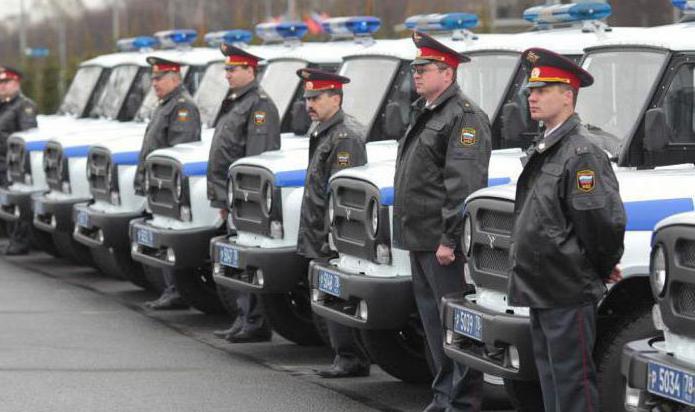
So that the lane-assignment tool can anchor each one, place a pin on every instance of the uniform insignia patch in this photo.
(183, 115)
(29, 110)
(532, 57)
(535, 72)
(343, 159)
(586, 180)
(309, 85)
(259, 118)
(469, 136)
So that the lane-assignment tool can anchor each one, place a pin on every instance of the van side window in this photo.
(679, 104)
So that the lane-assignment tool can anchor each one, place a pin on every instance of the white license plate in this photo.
(38, 207)
(144, 237)
(671, 383)
(83, 219)
(229, 256)
(468, 323)
(329, 283)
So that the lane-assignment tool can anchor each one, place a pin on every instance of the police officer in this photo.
(568, 235)
(248, 125)
(175, 120)
(442, 158)
(17, 113)
(336, 142)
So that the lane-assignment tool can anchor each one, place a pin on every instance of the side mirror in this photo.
(657, 132)
(394, 125)
(300, 118)
(515, 126)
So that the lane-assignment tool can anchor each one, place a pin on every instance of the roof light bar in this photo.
(441, 22)
(176, 38)
(136, 43)
(281, 32)
(217, 38)
(687, 6)
(567, 13)
(353, 26)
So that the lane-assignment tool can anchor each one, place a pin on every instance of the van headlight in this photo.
(186, 213)
(467, 234)
(268, 195)
(66, 187)
(331, 209)
(147, 182)
(27, 179)
(374, 214)
(230, 194)
(179, 186)
(658, 274)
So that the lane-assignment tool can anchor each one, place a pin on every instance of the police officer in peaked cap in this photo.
(17, 113)
(175, 120)
(568, 235)
(249, 124)
(336, 142)
(442, 159)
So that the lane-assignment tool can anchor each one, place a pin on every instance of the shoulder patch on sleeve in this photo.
(343, 159)
(259, 118)
(586, 180)
(29, 109)
(183, 115)
(182, 100)
(469, 136)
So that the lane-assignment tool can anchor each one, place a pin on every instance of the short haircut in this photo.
(335, 92)
(567, 87)
(444, 66)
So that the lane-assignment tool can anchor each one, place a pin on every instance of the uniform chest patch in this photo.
(29, 110)
(343, 159)
(469, 136)
(183, 115)
(259, 118)
(586, 180)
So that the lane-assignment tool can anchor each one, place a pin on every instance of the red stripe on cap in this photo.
(239, 60)
(322, 85)
(164, 67)
(552, 74)
(9, 75)
(434, 54)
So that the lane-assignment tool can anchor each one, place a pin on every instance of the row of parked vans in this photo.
(73, 177)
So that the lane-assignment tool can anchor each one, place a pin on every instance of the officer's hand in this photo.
(616, 275)
(445, 255)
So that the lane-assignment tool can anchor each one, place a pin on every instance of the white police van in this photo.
(64, 155)
(369, 285)
(641, 103)
(182, 224)
(102, 225)
(97, 93)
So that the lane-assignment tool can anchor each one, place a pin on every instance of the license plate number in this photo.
(329, 283)
(468, 323)
(82, 219)
(38, 207)
(229, 256)
(671, 383)
(144, 237)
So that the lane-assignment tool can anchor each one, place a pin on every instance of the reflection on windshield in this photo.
(80, 90)
(115, 91)
(622, 82)
(369, 82)
(211, 92)
(485, 78)
(280, 81)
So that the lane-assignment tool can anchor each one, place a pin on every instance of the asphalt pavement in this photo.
(72, 339)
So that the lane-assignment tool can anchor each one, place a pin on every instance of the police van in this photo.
(659, 371)
(96, 94)
(102, 224)
(183, 222)
(641, 106)
(369, 285)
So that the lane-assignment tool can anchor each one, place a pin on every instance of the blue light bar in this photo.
(685, 5)
(441, 22)
(137, 43)
(215, 39)
(351, 26)
(567, 13)
(176, 38)
(277, 32)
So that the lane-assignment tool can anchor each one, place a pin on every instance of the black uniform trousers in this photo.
(563, 342)
(349, 353)
(251, 316)
(455, 387)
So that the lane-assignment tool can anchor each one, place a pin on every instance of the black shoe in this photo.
(262, 335)
(167, 303)
(227, 333)
(338, 372)
(14, 250)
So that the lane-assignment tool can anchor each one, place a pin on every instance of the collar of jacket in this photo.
(549, 141)
(11, 99)
(235, 94)
(449, 92)
(325, 125)
(174, 93)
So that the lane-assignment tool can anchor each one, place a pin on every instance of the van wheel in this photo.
(69, 248)
(609, 349)
(525, 396)
(119, 265)
(291, 317)
(43, 241)
(228, 298)
(400, 353)
(198, 289)
(155, 279)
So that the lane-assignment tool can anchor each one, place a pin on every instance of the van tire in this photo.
(400, 353)
(71, 249)
(198, 289)
(119, 265)
(291, 317)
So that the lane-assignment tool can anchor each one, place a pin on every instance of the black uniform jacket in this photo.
(248, 125)
(176, 120)
(442, 158)
(337, 143)
(16, 114)
(569, 222)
